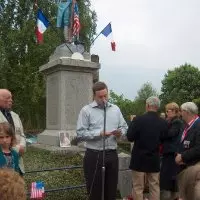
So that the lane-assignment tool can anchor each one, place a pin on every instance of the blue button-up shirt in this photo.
(91, 123)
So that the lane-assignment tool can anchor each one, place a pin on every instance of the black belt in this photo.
(99, 151)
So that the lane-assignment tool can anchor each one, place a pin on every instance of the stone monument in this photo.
(69, 79)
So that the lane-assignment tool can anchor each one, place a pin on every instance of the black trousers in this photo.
(93, 174)
(168, 173)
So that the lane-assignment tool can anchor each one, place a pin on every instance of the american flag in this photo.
(37, 190)
(76, 23)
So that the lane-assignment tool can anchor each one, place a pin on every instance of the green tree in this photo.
(181, 84)
(136, 107)
(88, 20)
(126, 106)
(143, 94)
(20, 57)
(197, 102)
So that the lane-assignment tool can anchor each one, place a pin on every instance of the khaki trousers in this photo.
(139, 184)
(180, 179)
(168, 195)
(189, 182)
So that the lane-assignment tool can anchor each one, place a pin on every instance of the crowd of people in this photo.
(165, 154)
(166, 150)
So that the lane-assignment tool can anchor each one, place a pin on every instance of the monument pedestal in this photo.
(68, 88)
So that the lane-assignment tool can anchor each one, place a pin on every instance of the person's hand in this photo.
(117, 133)
(107, 133)
(179, 160)
(21, 150)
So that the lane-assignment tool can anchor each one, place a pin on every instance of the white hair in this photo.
(153, 101)
(190, 107)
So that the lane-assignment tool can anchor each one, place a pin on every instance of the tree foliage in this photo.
(146, 91)
(126, 106)
(181, 85)
(133, 107)
(20, 57)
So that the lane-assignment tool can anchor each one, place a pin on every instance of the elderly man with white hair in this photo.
(189, 148)
(7, 115)
(146, 132)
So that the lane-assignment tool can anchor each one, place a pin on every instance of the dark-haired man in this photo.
(90, 127)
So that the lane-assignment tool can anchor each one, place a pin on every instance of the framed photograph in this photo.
(64, 139)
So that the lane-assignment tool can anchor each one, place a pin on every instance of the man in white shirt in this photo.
(7, 115)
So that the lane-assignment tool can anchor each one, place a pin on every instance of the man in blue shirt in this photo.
(90, 128)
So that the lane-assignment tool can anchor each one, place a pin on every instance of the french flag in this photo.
(107, 32)
(42, 25)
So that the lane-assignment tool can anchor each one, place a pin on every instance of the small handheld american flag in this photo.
(37, 190)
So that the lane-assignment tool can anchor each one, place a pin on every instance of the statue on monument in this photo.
(68, 19)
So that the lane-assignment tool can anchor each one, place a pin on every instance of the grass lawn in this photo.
(36, 159)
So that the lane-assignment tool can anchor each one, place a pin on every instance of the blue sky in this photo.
(151, 37)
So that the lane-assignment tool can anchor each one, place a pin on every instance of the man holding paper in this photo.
(90, 128)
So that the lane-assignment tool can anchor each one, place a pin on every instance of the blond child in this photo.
(9, 158)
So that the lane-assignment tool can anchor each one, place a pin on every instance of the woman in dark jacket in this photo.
(168, 183)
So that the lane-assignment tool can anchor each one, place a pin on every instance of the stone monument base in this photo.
(67, 151)
(69, 78)
(51, 137)
(124, 175)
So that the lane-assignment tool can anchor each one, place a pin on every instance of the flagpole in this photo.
(97, 36)
(95, 39)
(71, 21)
(35, 5)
